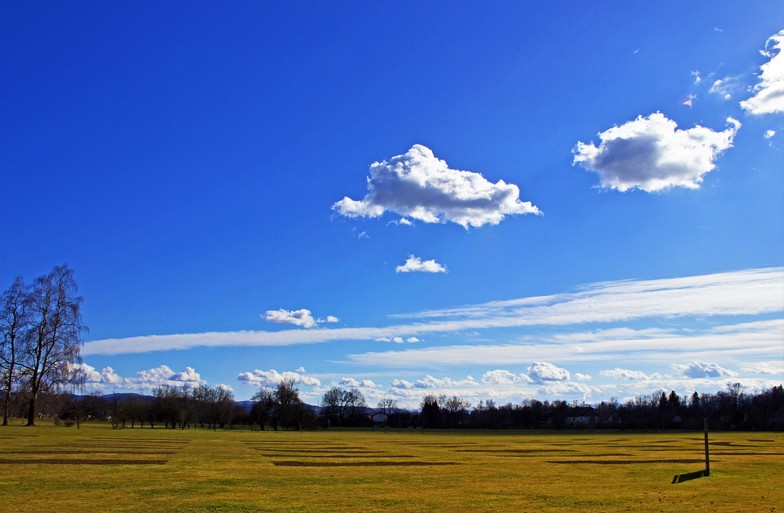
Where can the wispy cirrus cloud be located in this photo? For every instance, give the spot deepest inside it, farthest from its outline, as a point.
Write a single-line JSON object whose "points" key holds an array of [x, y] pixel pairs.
{"points": [[745, 339], [419, 186], [750, 292], [652, 154]]}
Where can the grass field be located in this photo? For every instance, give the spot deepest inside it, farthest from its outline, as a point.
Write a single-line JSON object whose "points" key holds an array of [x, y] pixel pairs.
{"points": [[96, 468]]}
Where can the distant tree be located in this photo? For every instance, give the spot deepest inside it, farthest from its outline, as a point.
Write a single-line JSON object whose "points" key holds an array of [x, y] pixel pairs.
{"points": [[14, 323], [387, 406], [288, 405], [455, 409], [333, 404], [431, 412], [263, 408], [52, 345], [674, 402]]}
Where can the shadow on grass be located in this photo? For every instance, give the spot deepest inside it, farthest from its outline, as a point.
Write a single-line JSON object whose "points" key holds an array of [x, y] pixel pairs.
{"points": [[363, 463], [60, 461], [680, 478]]}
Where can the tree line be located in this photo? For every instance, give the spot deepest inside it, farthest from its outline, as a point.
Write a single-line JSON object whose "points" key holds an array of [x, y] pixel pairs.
{"points": [[281, 408], [40, 325], [729, 409]]}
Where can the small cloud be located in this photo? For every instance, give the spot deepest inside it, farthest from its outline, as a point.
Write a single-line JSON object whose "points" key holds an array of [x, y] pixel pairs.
{"points": [[697, 76], [302, 317], [624, 374], [689, 101], [354, 383], [300, 369], [503, 377], [582, 377], [418, 185], [765, 368], [717, 29], [398, 340], [360, 234], [225, 388], [402, 383], [725, 87], [416, 265], [699, 369], [652, 154], [542, 371], [769, 92], [769, 134], [271, 378], [187, 375]]}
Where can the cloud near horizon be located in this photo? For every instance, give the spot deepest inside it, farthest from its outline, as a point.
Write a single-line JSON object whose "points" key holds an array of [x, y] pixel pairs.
{"points": [[419, 186], [652, 154], [145, 380], [271, 378]]}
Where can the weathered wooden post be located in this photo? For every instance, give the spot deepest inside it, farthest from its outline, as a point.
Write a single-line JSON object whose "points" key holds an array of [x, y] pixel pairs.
{"points": [[707, 449]]}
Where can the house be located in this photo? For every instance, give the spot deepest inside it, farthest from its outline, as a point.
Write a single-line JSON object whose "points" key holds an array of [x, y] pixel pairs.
{"points": [[580, 417], [379, 419]]}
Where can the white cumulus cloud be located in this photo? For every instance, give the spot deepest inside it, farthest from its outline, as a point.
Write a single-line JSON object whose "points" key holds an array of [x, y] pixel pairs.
{"points": [[272, 378], [419, 186], [769, 92], [624, 374], [652, 154], [700, 369], [503, 377], [357, 383], [540, 372], [302, 317], [416, 265]]}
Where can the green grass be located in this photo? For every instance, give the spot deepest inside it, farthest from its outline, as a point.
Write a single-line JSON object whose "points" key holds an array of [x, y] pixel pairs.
{"points": [[96, 468]]}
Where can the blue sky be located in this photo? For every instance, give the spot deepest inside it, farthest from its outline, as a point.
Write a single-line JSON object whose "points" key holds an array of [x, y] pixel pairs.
{"points": [[502, 201]]}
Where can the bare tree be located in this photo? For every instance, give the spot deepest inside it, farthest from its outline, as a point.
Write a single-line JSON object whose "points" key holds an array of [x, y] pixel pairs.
{"points": [[263, 407], [387, 406], [455, 410], [52, 345], [14, 322], [288, 405]]}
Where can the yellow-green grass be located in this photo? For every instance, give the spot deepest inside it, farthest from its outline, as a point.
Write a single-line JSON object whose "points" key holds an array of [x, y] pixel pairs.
{"points": [[96, 468]]}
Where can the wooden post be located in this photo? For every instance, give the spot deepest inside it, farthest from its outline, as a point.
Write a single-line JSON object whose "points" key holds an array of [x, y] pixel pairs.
{"points": [[707, 450]]}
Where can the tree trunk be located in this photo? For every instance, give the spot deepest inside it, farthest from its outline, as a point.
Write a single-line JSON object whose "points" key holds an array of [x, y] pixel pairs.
{"points": [[7, 398], [31, 410]]}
